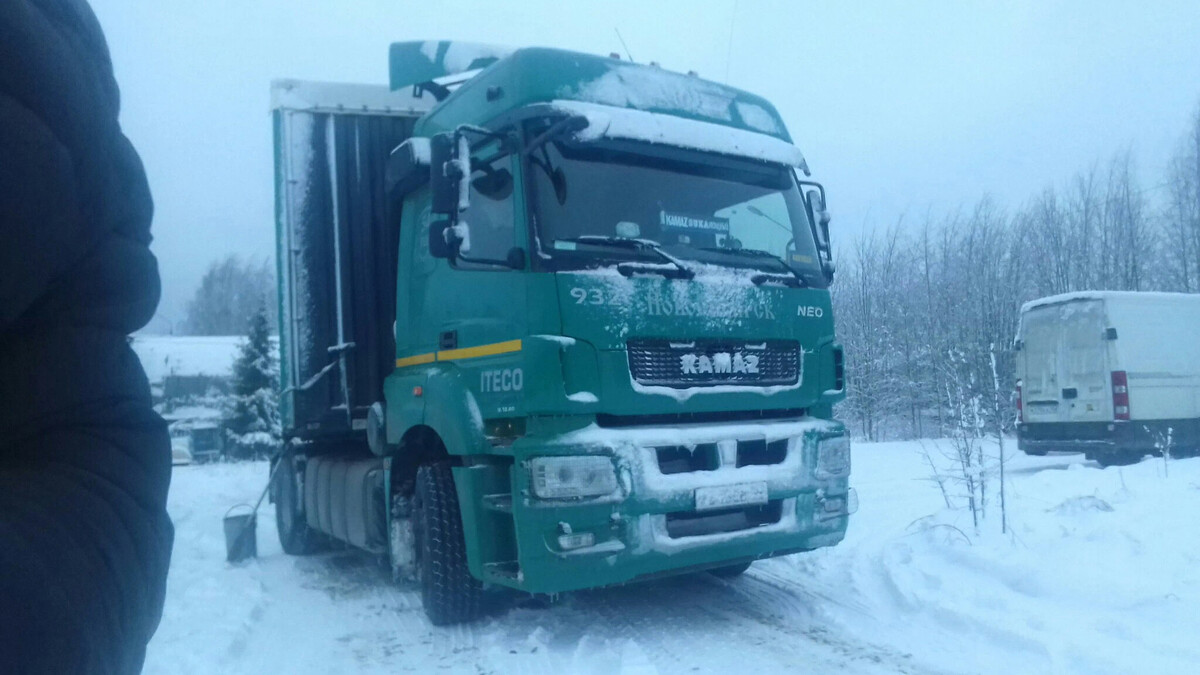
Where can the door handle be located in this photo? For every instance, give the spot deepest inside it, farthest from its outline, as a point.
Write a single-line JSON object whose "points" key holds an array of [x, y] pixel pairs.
{"points": [[448, 339], [1070, 392]]}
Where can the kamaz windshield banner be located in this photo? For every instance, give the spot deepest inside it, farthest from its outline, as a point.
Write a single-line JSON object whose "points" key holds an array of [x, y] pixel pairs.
{"points": [[683, 221]]}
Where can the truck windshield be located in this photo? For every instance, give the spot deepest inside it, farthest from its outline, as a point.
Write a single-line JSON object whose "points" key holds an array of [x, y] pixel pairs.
{"points": [[696, 207]]}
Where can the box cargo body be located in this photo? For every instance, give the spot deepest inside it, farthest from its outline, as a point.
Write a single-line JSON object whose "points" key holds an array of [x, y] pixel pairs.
{"points": [[1112, 374], [337, 243]]}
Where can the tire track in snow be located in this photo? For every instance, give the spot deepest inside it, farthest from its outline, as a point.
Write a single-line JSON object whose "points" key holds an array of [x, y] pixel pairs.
{"points": [[690, 624], [699, 623], [784, 603]]}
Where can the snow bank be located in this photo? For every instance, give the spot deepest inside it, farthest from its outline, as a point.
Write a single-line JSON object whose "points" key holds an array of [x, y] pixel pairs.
{"points": [[1098, 575]]}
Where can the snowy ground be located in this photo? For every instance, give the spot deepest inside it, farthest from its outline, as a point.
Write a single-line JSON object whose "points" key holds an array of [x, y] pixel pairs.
{"points": [[1100, 575]]}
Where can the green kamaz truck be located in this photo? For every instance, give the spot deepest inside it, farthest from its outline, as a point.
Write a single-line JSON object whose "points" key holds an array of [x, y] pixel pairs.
{"points": [[551, 321]]}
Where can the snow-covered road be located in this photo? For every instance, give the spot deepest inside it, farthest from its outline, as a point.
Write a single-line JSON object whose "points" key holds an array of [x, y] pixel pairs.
{"points": [[1102, 575]]}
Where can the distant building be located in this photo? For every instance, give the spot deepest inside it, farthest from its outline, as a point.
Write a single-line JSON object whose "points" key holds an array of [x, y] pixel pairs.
{"points": [[184, 368], [180, 368], [189, 376]]}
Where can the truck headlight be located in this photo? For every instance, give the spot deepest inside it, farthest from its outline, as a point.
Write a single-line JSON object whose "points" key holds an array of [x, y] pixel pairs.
{"points": [[833, 457], [573, 477]]}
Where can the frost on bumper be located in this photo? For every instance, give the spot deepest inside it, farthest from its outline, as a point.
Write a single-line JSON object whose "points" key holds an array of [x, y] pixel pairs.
{"points": [[705, 485]]}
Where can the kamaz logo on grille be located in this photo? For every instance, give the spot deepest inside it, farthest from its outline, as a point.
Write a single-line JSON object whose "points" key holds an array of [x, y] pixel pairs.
{"points": [[719, 363], [681, 364]]}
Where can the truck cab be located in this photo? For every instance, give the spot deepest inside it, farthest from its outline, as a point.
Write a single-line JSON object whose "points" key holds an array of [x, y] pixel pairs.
{"points": [[606, 351]]}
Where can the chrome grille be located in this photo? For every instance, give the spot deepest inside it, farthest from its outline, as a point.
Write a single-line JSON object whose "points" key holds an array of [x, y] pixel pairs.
{"points": [[706, 363]]}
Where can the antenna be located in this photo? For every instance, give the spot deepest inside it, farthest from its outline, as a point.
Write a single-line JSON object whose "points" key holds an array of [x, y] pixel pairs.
{"points": [[630, 56]]}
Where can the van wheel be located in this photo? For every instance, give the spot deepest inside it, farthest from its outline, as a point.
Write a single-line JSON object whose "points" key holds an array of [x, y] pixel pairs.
{"points": [[295, 536], [730, 571], [1118, 458], [449, 592]]}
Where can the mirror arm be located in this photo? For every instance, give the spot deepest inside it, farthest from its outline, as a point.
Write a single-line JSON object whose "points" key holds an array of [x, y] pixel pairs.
{"points": [[463, 129], [572, 123]]}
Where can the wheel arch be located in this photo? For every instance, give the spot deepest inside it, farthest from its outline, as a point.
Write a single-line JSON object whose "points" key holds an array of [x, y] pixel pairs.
{"points": [[439, 400]]}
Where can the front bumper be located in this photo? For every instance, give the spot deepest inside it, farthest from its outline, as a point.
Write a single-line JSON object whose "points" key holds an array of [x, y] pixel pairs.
{"points": [[650, 525]]}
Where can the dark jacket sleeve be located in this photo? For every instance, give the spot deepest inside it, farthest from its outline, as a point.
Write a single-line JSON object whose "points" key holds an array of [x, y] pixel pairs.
{"points": [[84, 461]]}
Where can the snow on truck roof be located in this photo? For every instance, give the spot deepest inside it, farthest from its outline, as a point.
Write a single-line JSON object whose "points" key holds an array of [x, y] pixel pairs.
{"points": [[620, 99], [508, 81], [1120, 296]]}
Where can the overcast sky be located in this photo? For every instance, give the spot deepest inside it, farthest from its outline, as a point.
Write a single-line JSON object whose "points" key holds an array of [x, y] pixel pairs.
{"points": [[899, 107]]}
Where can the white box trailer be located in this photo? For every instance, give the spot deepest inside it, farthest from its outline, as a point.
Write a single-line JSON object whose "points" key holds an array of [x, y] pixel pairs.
{"points": [[1115, 375]]}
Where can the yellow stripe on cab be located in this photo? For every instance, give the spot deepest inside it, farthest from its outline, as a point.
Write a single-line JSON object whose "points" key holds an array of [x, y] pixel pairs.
{"points": [[463, 353]]}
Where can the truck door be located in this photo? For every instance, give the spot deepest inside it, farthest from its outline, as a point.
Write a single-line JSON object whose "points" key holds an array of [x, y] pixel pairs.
{"points": [[1066, 368], [473, 313]]}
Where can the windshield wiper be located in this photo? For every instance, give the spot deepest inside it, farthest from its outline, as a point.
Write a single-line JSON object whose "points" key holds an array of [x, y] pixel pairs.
{"points": [[670, 266], [791, 278]]}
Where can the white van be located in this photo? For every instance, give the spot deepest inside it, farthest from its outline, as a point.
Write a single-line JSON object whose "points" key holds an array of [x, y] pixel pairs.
{"points": [[1111, 374]]}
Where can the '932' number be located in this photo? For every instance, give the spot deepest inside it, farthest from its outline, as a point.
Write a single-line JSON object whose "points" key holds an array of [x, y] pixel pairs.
{"points": [[587, 296]]}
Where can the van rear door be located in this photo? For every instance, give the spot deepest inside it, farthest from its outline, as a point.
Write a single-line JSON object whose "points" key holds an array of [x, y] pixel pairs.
{"points": [[1066, 370]]}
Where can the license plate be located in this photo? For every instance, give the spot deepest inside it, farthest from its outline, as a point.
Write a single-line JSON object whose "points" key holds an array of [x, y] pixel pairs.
{"points": [[729, 496]]}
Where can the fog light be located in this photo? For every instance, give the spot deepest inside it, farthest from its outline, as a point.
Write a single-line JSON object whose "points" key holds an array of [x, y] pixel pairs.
{"points": [[573, 477], [570, 542], [852, 501]]}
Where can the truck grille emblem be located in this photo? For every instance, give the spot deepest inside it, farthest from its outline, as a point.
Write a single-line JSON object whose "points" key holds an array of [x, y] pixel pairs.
{"points": [[721, 362], [704, 363]]}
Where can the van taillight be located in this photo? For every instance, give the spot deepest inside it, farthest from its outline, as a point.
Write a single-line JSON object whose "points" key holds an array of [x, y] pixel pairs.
{"points": [[1020, 406], [1120, 394], [839, 369]]}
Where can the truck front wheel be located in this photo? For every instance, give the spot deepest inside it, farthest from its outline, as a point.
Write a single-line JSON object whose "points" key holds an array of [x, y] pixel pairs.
{"points": [[449, 592], [730, 571], [295, 536]]}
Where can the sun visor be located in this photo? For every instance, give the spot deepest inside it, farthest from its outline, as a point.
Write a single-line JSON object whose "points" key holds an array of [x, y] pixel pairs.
{"points": [[639, 125]]}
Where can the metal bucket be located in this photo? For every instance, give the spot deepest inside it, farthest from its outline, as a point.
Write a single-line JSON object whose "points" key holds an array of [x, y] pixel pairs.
{"points": [[241, 537]]}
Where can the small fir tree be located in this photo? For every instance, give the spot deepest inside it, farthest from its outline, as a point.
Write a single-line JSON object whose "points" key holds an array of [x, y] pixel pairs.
{"points": [[251, 417]]}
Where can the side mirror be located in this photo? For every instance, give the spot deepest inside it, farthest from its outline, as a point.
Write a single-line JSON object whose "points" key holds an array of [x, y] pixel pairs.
{"points": [[449, 240], [444, 177], [496, 185], [407, 167], [439, 247], [516, 258], [816, 202]]}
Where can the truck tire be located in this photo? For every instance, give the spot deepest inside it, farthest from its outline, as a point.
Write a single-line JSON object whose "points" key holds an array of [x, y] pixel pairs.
{"points": [[295, 536], [449, 592], [730, 571]]}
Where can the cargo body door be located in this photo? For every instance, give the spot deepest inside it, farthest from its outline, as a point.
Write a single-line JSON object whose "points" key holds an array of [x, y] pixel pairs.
{"points": [[337, 240], [1066, 372]]}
